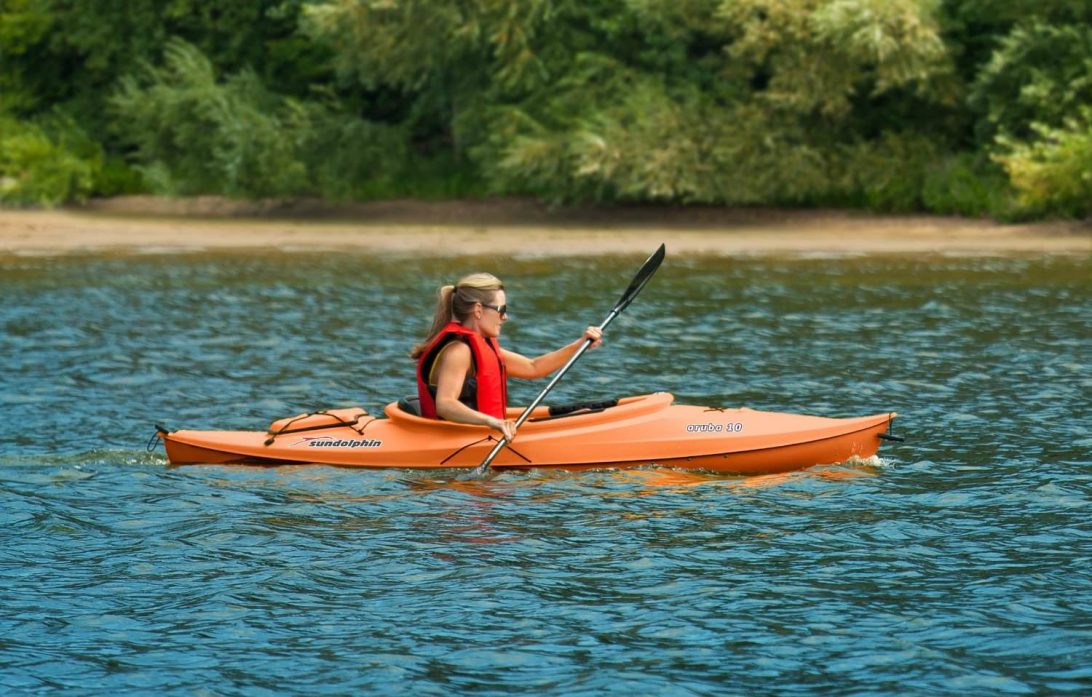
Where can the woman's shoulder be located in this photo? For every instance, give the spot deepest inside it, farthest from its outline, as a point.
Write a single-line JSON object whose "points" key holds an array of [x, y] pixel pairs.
{"points": [[454, 349], [455, 356]]}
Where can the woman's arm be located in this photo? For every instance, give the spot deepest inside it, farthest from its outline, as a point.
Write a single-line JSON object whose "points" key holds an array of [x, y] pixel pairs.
{"points": [[451, 369], [520, 366]]}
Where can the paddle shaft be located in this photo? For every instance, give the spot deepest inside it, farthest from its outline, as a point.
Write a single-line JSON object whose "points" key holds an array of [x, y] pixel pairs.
{"points": [[643, 276], [542, 395]]}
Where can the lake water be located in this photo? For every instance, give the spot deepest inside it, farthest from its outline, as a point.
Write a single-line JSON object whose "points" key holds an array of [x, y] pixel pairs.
{"points": [[957, 563]]}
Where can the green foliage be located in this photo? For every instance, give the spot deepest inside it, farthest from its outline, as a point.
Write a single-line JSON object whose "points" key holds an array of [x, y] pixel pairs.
{"points": [[448, 60], [893, 105], [1053, 173], [23, 26], [436, 178], [395, 43], [196, 133], [681, 149], [814, 55], [967, 185], [1039, 74], [70, 53], [40, 168], [1030, 98], [117, 178], [887, 174], [741, 128], [348, 158]]}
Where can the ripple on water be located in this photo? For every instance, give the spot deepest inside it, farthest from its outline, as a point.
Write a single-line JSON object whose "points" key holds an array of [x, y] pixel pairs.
{"points": [[956, 563]]}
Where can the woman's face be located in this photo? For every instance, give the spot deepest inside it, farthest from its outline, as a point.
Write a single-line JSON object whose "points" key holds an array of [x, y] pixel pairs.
{"points": [[494, 315]]}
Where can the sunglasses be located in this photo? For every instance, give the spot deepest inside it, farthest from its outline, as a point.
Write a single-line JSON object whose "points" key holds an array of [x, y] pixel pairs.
{"points": [[501, 309]]}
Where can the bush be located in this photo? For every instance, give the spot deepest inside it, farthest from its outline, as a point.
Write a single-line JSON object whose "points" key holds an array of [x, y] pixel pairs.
{"points": [[196, 135], [1053, 174], [38, 168], [117, 178], [1039, 74], [349, 158], [886, 175], [969, 186]]}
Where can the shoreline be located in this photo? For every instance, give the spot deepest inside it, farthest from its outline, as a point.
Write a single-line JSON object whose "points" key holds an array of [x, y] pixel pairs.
{"points": [[512, 227]]}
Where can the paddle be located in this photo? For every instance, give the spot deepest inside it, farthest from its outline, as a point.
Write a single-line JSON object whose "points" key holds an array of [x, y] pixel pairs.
{"points": [[643, 276]]}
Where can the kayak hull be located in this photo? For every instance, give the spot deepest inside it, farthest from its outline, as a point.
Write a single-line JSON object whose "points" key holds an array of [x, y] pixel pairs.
{"points": [[639, 431]]}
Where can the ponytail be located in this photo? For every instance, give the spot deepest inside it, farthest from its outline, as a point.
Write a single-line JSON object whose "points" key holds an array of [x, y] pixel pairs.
{"points": [[454, 304]]}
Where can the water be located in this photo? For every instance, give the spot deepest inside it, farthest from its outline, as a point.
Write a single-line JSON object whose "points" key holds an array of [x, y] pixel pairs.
{"points": [[956, 564]]}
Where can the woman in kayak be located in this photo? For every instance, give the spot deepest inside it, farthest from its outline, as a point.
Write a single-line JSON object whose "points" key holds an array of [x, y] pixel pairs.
{"points": [[462, 371]]}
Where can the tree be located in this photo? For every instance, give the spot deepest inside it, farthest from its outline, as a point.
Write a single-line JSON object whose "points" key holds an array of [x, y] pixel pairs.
{"points": [[1053, 171], [196, 132], [1039, 74]]}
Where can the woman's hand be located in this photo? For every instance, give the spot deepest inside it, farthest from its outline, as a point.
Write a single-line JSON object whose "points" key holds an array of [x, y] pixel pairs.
{"points": [[596, 336], [506, 427]]}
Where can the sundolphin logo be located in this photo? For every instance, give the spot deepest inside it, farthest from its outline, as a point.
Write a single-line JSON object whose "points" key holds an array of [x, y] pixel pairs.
{"points": [[330, 442]]}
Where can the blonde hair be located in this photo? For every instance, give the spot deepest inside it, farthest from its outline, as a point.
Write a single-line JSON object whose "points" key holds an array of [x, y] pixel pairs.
{"points": [[455, 303]]}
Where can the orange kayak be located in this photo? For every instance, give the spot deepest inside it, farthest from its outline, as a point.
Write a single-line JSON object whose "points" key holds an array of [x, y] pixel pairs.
{"points": [[629, 432]]}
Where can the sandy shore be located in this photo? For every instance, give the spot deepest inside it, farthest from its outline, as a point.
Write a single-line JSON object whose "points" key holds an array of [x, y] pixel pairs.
{"points": [[510, 227]]}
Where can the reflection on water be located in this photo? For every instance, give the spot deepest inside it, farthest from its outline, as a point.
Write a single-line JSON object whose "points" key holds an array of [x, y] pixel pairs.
{"points": [[656, 479], [957, 563]]}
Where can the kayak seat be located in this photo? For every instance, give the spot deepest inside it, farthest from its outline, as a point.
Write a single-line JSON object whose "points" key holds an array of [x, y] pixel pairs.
{"points": [[411, 404]]}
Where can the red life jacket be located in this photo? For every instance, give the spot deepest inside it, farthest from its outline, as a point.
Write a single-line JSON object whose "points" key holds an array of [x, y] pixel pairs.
{"points": [[492, 378]]}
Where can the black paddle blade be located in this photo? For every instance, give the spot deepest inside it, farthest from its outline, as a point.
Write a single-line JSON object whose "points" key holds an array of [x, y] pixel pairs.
{"points": [[643, 276]]}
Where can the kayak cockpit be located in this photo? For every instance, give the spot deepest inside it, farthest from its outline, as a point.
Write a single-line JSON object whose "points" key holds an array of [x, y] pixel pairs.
{"points": [[404, 411]]}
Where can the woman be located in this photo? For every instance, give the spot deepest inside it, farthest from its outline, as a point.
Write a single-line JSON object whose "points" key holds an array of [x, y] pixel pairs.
{"points": [[462, 371]]}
